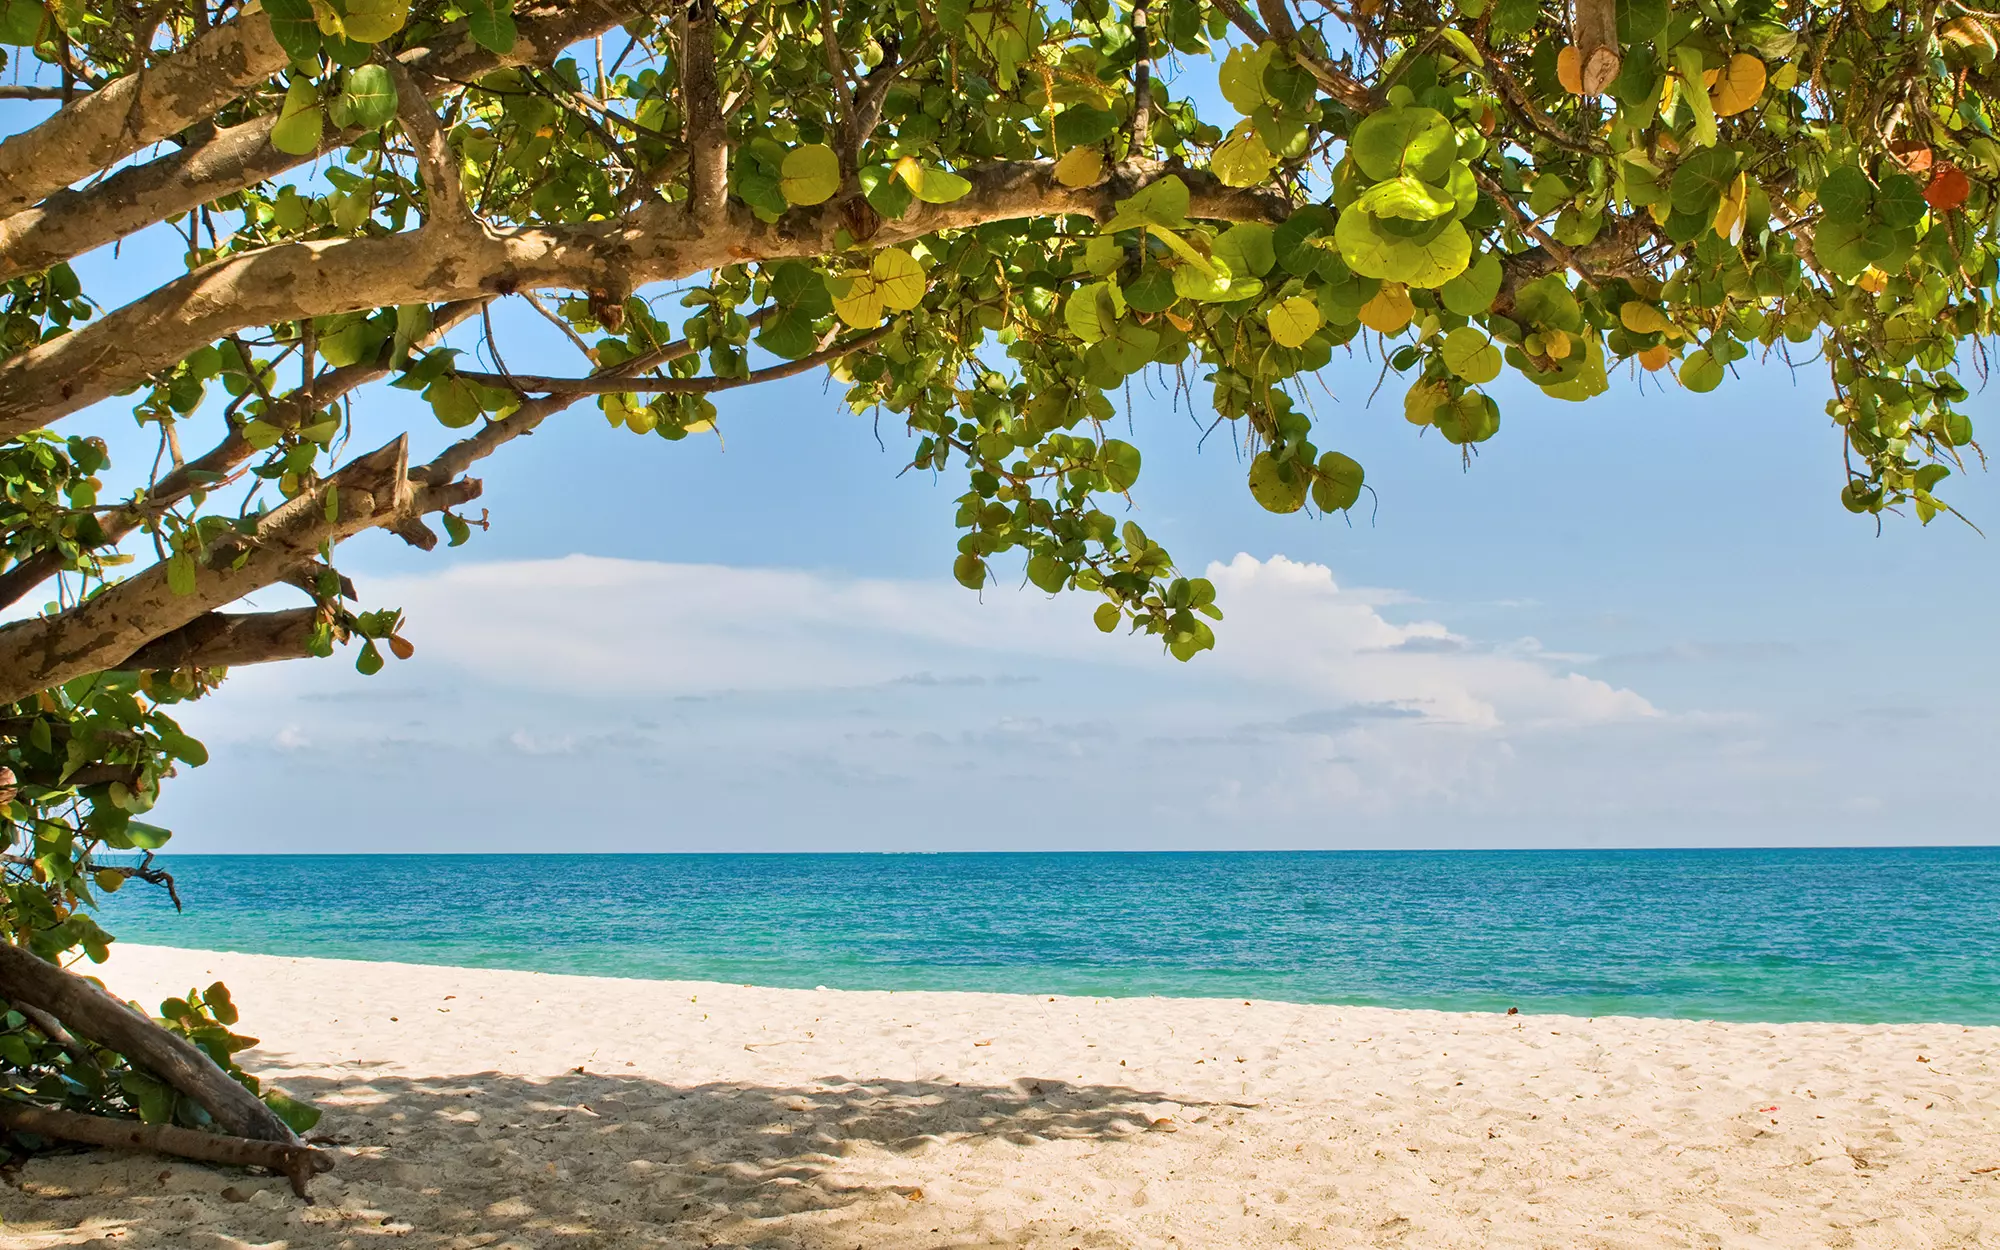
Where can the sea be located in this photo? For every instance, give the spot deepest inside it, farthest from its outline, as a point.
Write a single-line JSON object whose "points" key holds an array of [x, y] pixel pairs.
{"points": [[1854, 935]]}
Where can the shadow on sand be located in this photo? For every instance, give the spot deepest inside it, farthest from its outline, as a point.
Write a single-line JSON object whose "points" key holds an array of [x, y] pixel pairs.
{"points": [[587, 1160]]}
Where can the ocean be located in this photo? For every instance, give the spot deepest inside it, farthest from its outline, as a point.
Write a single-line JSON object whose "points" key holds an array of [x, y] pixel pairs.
{"points": [[1855, 935]]}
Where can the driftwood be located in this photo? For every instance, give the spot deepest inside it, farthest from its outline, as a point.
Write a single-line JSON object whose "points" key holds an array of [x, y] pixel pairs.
{"points": [[1594, 31], [84, 1009], [298, 1162]]}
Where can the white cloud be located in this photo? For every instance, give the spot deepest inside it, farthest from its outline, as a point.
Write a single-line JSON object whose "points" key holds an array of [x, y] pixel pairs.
{"points": [[638, 628]]}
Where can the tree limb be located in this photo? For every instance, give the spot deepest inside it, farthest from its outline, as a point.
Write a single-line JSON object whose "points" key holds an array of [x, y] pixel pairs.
{"points": [[229, 640], [128, 114], [72, 222], [86, 1009], [298, 1163], [293, 281], [103, 631], [435, 159], [701, 105]]}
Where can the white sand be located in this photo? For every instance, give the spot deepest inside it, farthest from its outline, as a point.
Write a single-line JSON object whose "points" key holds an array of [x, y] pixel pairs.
{"points": [[712, 1114]]}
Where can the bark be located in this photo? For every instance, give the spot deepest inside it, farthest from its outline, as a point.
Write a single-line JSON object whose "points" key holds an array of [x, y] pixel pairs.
{"points": [[231, 639], [299, 1163], [140, 109], [85, 1009], [293, 281], [701, 104], [104, 631], [72, 222], [1594, 30]]}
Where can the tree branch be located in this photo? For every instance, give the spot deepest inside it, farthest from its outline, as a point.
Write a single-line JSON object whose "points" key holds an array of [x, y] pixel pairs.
{"points": [[103, 631], [128, 114], [229, 640], [435, 158], [701, 105], [86, 1009], [72, 222], [299, 1163]]}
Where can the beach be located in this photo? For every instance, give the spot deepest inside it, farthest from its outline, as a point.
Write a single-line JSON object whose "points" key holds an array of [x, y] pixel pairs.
{"points": [[476, 1108]]}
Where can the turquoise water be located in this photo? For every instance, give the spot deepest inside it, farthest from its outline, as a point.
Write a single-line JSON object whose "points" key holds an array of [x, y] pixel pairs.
{"points": [[1860, 935]]}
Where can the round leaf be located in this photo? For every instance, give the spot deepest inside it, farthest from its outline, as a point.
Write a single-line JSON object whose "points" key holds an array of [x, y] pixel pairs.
{"points": [[1338, 485], [1080, 167], [1469, 354], [1277, 485], [810, 175], [898, 278], [1293, 321], [1398, 140]]}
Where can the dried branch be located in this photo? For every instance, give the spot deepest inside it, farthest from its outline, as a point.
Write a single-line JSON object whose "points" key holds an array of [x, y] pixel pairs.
{"points": [[536, 384], [297, 1162]]}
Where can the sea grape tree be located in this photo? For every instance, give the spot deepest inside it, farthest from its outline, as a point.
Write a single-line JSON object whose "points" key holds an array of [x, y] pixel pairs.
{"points": [[981, 216]]}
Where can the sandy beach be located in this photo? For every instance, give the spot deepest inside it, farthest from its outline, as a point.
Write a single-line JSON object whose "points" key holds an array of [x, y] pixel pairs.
{"points": [[507, 1109]]}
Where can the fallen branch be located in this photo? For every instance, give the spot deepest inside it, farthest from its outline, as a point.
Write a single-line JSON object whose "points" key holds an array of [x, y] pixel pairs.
{"points": [[87, 1010], [298, 1163]]}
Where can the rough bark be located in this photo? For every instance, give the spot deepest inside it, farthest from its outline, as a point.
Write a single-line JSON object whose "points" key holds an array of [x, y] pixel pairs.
{"points": [[231, 639], [140, 109], [1594, 31], [653, 244], [299, 1163], [85, 1009]]}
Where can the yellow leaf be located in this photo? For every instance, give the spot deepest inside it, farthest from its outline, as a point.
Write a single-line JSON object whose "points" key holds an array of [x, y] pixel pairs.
{"points": [[1642, 318], [1738, 87], [1569, 70], [899, 280], [371, 21], [1293, 321], [809, 175], [1872, 280], [1080, 167], [860, 303], [1730, 213], [1654, 359], [1390, 310]]}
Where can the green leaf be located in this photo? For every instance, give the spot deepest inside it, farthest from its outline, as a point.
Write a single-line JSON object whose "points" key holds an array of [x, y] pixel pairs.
{"points": [[21, 22], [1374, 248], [372, 21], [369, 662], [292, 25], [368, 101], [299, 1116], [180, 573], [1243, 159], [146, 837], [1399, 140], [1107, 616], [491, 23], [1701, 372], [1246, 248], [1293, 321], [1899, 201], [1473, 292], [1241, 76], [1277, 485], [810, 175], [1408, 198], [1471, 418], [1119, 461], [1090, 313], [1471, 355], [970, 571], [1080, 125], [1844, 196], [1338, 485], [1701, 179], [1163, 203], [931, 184], [300, 122]]}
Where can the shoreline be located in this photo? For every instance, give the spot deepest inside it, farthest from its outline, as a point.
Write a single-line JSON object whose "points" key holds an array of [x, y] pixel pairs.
{"points": [[478, 1107], [1057, 995]]}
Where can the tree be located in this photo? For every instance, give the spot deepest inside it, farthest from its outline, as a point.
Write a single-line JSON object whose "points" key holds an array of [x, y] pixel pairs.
{"points": [[982, 216]]}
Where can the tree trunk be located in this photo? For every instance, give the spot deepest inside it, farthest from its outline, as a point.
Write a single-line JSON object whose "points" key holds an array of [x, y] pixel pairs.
{"points": [[1594, 30], [298, 1163], [85, 1009]]}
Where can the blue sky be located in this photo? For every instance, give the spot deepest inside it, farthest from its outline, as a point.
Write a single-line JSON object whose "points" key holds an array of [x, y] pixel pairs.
{"points": [[1645, 620]]}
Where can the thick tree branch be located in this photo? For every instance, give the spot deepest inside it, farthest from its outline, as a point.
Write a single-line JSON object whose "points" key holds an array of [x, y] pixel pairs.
{"points": [[100, 129], [230, 639], [72, 222], [1594, 31], [105, 630], [435, 159], [292, 281], [299, 1163], [85, 1009], [701, 105]]}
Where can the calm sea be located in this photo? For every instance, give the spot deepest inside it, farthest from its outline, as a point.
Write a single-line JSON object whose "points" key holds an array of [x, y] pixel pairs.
{"points": [[1861, 935]]}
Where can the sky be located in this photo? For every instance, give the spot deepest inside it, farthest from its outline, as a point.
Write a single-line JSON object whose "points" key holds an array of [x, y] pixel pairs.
{"points": [[1641, 621]]}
